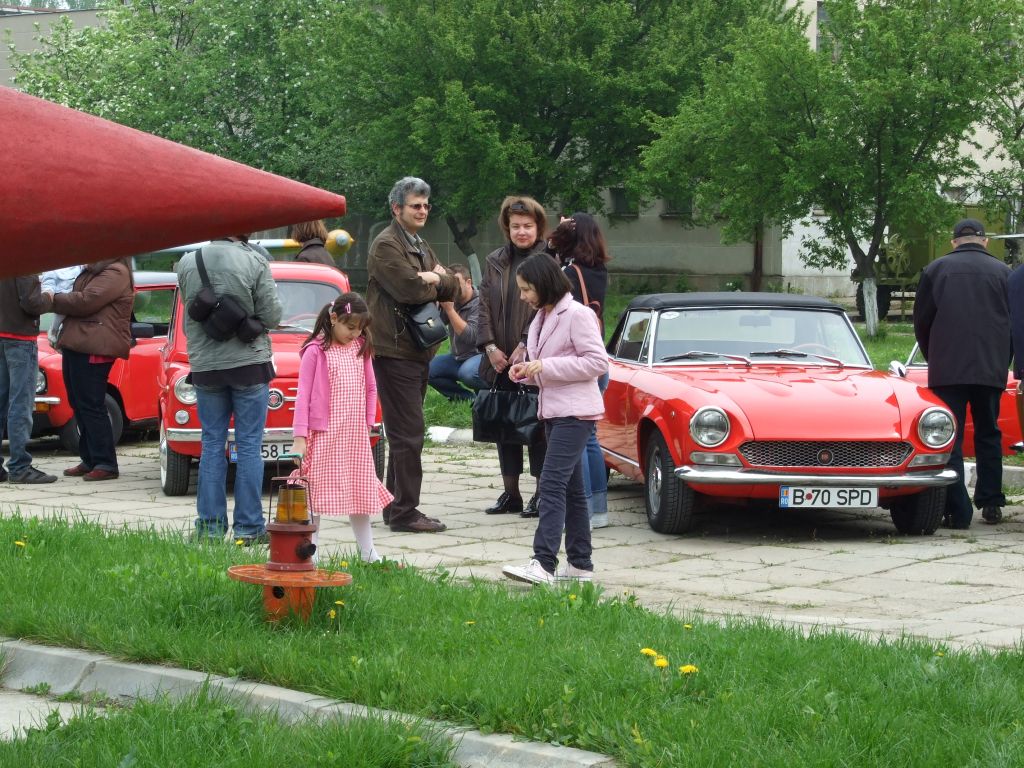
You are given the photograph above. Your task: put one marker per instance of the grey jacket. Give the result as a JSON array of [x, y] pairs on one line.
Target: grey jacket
[[463, 345], [237, 269]]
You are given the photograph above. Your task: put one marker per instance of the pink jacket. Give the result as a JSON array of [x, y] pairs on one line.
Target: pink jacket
[[568, 341], [313, 402]]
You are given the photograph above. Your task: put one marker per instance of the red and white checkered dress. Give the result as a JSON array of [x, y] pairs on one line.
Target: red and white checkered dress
[[339, 462]]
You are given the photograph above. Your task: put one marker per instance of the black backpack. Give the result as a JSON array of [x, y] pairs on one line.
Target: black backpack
[[222, 317]]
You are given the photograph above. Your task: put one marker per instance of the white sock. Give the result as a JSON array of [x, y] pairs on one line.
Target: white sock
[[364, 537]]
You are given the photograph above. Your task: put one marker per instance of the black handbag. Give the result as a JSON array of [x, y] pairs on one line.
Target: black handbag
[[424, 324], [505, 416]]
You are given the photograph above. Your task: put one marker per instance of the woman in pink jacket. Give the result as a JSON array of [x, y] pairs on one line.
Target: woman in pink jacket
[[565, 357]]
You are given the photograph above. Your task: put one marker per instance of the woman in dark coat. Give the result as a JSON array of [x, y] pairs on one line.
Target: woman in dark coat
[[580, 246], [312, 235], [501, 334]]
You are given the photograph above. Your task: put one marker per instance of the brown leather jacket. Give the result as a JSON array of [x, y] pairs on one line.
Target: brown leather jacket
[[21, 303], [501, 322], [99, 310], [393, 263]]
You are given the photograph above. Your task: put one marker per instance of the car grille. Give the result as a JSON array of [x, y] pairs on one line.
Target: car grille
[[825, 453]]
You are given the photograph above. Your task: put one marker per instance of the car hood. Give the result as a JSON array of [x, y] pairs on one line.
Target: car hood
[[813, 403], [286, 346]]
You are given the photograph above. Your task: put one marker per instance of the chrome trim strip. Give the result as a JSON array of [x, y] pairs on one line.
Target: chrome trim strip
[[620, 457], [48, 400], [715, 476], [270, 435]]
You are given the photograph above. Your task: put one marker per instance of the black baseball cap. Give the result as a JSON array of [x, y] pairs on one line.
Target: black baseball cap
[[968, 228]]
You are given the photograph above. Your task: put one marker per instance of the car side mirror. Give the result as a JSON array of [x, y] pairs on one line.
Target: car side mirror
[[143, 331], [896, 368]]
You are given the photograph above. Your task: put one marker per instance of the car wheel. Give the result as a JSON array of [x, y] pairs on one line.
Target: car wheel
[[69, 433], [175, 467], [920, 514], [379, 452], [670, 502]]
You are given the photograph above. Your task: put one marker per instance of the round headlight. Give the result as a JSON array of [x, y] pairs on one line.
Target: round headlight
[[936, 427], [184, 391], [709, 426], [40, 381]]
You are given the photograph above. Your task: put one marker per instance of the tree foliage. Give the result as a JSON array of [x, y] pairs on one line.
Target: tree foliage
[[868, 127]]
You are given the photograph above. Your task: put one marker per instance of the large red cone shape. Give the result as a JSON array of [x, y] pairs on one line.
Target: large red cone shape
[[76, 188]]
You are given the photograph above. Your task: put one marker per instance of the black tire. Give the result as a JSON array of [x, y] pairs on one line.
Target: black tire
[[883, 298], [670, 502], [920, 514], [175, 468], [379, 452], [69, 433]]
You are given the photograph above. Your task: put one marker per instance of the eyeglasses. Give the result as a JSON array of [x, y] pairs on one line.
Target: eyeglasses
[[419, 206]]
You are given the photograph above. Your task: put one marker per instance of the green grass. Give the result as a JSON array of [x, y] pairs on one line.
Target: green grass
[[893, 342], [202, 731], [560, 665]]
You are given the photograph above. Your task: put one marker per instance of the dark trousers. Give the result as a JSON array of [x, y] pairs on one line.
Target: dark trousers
[[988, 450], [86, 384], [401, 387], [510, 458], [562, 502]]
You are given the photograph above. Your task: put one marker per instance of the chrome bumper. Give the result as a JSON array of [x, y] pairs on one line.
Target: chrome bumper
[[717, 476], [270, 435]]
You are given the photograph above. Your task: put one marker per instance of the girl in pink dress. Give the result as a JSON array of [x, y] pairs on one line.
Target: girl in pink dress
[[336, 404]]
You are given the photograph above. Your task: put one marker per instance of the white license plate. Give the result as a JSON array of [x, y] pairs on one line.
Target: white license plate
[[268, 451], [805, 496]]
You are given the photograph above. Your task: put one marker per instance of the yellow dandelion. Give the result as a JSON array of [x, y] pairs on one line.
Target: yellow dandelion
[[333, 614], [572, 597], [239, 542], [470, 623], [940, 653], [648, 652], [661, 662], [19, 543], [687, 626], [688, 669], [339, 602], [344, 563], [541, 622]]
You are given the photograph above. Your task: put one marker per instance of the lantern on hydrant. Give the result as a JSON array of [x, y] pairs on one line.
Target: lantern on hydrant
[[290, 577]]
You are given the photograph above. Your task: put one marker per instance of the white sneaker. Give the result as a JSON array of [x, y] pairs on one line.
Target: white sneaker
[[532, 573], [570, 572]]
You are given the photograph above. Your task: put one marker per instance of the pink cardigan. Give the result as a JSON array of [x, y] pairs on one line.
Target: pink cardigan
[[568, 342], [312, 404]]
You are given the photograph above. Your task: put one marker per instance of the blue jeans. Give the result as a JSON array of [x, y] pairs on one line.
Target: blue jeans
[[595, 478], [561, 501], [451, 377], [19, 361], [216, 405]]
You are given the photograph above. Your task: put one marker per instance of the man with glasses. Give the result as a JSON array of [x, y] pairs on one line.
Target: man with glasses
[[398, 259]]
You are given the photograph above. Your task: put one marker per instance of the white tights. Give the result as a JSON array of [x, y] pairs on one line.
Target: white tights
[[364, 537]]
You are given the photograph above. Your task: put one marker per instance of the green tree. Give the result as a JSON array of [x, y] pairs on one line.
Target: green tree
[[868, 127], [489, 97]]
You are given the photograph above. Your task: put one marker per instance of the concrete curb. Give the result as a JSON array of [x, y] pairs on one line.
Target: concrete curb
[[65, 670]]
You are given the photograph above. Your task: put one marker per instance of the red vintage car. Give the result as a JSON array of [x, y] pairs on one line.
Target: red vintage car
[[303, 289], [916, 370], [734, 397], [132, 387]]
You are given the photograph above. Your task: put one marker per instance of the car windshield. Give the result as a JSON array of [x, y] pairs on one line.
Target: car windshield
[[748, 335], [301, 302]]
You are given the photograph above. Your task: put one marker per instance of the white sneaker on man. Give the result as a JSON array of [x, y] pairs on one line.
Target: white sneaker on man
[[532, 573], [570, 572]]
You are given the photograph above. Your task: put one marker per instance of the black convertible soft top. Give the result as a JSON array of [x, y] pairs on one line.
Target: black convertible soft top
[[729, 299]]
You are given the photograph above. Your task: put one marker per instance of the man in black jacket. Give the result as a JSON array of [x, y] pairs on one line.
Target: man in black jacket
[[962, 324], [21, 303]]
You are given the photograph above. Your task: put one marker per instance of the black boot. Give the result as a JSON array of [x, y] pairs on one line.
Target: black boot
[[505, 504]]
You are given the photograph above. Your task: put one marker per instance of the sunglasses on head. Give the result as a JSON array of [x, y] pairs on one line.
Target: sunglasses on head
[[518, 207], [419, 206]]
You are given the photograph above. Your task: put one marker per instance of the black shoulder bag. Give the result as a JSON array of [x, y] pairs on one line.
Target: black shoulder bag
[[423, 321], [222, 317]]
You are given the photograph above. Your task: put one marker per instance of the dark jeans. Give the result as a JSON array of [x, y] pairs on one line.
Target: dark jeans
[[401, 387], [988, 450], [86, 384], [456, 380], [562, 502], [19, 361]]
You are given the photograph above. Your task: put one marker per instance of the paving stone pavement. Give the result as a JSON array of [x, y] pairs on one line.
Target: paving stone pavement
[[848, 570]]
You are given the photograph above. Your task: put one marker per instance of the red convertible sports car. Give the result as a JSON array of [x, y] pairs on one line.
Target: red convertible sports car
[[303, 289], [733, 397]]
